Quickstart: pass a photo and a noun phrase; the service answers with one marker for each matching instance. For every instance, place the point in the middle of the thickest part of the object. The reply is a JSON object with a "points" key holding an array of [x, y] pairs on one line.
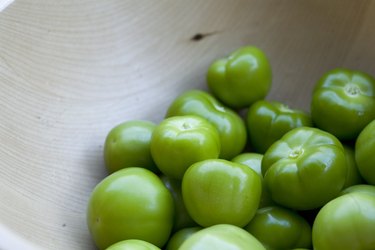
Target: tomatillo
{"points": [[254, 161], [242, 78], [128, 145], [346, 223], [268, 121], [219, 191], [353, 176], [365, 153], [177, 142], [133, 244], [182, 218], [280, 228], [176, 240], [343, 102], [222, 237], [362, 188], [305, 169], [132, 203], [231, 127]]}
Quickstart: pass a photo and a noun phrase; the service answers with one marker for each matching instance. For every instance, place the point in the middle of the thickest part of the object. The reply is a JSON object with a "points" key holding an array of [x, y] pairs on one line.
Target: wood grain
{"points": [[71, 70]]}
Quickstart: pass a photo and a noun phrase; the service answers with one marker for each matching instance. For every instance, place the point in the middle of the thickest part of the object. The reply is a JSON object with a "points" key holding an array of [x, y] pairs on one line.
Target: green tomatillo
{"points": [[242, 78], [346, 223], [222, 237], [361, 188], [177, 142], [231, 127], [133, 244], [128, 145], [268, 121], [353, 176], [176, 240], [254, 161], [305, 169], [131, 203], [280, 228], [219, 191], [182, 218], [343, 102], [365, 153]]}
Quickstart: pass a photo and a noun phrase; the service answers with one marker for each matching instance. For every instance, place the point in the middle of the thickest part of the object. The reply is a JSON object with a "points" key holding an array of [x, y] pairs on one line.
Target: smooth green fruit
{"points": [[280, 228], [222, 237], [305, 169], [343, 102], [221, 192], [133, 245], [128, 145], [132, 203], [180, 236], [241, 79], [179, 141], [346, 223], [365, 153], [231, 127]]}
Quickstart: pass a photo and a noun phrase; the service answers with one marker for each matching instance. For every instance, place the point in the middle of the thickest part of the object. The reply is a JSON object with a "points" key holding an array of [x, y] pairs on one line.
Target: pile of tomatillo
{"points": [[273, 177]]}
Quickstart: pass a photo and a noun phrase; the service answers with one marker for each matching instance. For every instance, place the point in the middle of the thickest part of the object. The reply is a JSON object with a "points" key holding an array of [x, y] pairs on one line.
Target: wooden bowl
{"points": [[71, 70]]}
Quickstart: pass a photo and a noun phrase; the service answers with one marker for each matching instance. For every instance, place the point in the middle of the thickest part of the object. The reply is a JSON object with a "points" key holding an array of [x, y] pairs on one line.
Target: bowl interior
{"points": [[72, 70]]}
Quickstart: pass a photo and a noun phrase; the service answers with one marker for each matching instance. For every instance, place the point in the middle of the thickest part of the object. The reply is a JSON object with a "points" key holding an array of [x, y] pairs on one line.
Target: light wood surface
{"points": [[71, 70]]}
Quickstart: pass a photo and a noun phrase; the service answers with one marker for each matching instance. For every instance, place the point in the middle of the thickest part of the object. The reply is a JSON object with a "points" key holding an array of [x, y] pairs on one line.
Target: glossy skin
{"points": [[268, 121], [231, 127], [182, 218], [131, 203], [222, 237], [219, 191], [133, 245], [362, 188], [353, 176], [343, 102], [346, 223], [178, 142], [364, 153], [242, 78], [179, 237], [305, 169], [128, 145], [254, 161], [280, 228]]}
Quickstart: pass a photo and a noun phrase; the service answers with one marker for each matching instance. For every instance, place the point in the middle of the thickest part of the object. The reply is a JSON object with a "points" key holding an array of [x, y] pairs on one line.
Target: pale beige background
{"points": [[71, 70]]}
